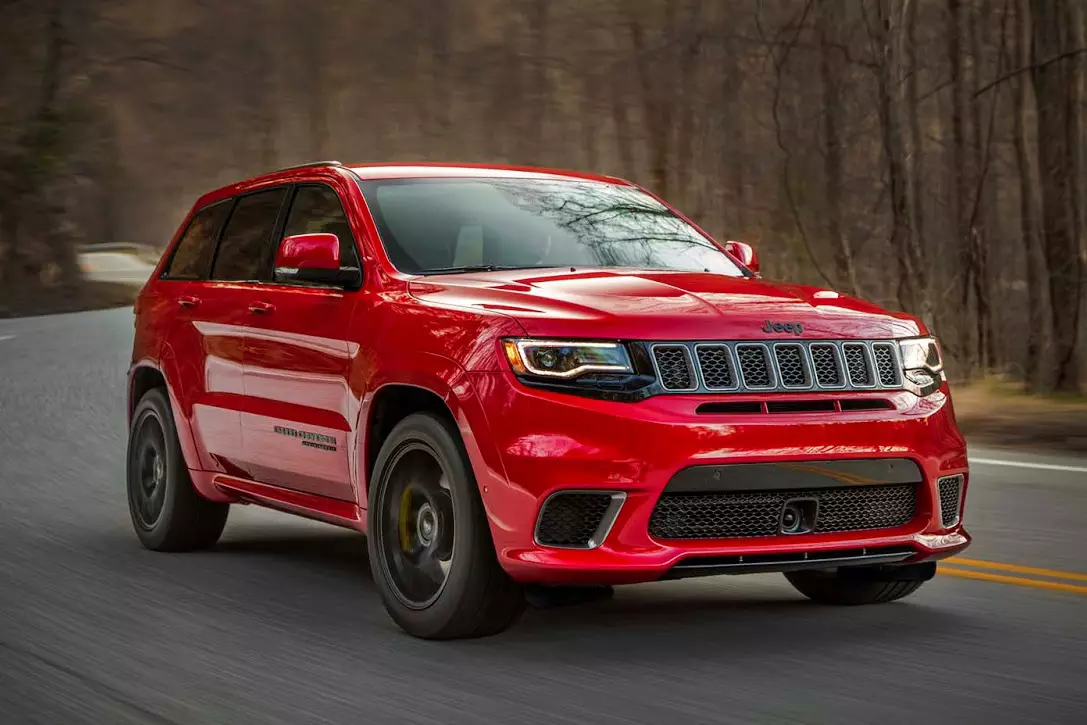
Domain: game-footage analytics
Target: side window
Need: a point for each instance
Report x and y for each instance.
(317, 208)
(243, 249)
(192, 258)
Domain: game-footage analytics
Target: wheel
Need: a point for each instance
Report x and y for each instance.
(167, 512)
(861, 585)
(430, 547)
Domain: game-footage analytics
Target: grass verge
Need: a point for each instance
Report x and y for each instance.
(1001, 413)
(77, 297)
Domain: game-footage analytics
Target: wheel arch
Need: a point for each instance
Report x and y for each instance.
(147, 375)
(448, 392)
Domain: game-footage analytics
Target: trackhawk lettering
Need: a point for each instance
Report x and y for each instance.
(310, 440)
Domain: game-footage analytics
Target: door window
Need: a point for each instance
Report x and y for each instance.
(192, 258)
(242, 254)
(316, 208)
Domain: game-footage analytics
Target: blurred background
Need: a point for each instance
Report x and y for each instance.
(925, 154)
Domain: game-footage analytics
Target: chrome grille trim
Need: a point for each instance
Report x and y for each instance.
(750, 363)
(753, 369)
(865, 360)
(803, 358)
(664, 348)
(835, 360)
(729, 360)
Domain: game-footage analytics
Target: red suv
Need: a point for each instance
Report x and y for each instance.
(527, 380)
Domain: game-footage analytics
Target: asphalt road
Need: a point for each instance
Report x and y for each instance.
(281, 623)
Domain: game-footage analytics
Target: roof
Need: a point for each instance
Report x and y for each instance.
(411, 170)
(437, 170)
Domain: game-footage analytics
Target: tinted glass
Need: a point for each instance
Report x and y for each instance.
(243, 251)
(192, 259)
(317, 209)
(427, 225)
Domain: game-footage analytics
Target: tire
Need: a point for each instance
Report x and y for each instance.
(167, 512)
(422, 465)
(851, 587)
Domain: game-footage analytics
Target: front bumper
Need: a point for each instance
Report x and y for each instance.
(546, 442)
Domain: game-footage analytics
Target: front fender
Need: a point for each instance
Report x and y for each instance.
(449, 381)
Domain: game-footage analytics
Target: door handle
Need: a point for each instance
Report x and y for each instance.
(188, 301)
(261, 308)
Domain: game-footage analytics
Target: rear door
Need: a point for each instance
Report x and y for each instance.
(203, 364)
(300, 415)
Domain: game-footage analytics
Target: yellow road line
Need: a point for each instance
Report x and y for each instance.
(1020, 581)
(996, 566)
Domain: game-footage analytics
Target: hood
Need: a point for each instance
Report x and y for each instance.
(655, 305)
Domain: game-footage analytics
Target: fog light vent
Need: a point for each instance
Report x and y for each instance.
(577, 519)
(950, 489)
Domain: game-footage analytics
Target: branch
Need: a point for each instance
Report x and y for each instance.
(1027, 69)
(779, 69)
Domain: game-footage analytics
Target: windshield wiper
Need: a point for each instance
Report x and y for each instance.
(474, 268)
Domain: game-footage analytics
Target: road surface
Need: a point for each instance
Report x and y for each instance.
(115, 266)
(281, 623)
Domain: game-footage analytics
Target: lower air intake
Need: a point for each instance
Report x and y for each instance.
(576, 519)
(734, 514)
(950, 489)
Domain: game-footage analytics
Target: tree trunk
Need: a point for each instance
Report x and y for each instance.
(1037, 320)
(830, 67)
(912, 292)
(1058, 150)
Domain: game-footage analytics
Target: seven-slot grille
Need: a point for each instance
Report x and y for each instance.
(736, 514)
(950, 490)
(777, 366)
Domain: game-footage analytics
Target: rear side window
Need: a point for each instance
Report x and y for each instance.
(194, 253)
(243, 249)
(317, 208)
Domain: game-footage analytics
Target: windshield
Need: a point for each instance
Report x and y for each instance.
(450, 225)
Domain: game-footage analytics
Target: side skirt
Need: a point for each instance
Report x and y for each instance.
(320, 508)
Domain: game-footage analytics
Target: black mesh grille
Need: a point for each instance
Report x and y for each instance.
(733, 514)
(828, 373)
(950, 498)
(716, 365)
(856, 362)
(754, 365)
(886, 364)
(792, 371)
(674, 366)
(571, 519)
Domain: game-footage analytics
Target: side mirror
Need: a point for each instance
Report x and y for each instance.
(314, 258)
(745, 253)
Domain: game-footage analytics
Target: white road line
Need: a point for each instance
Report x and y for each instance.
(1021, 464)
(6, 337)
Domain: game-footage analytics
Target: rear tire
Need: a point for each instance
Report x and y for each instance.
(167, 512)
(430, 545)
(855, 586)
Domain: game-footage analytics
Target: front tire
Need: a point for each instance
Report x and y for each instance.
(430, 545)
(167, 512)
(851, 586)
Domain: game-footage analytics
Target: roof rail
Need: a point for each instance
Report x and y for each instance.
(309, 164)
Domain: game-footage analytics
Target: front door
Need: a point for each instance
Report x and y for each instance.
(299, 413)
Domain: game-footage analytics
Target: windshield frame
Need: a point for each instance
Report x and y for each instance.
(368, 188)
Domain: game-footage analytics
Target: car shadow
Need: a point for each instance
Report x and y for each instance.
(658, 622)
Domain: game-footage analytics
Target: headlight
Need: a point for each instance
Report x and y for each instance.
(566, 360)
(922, 364)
